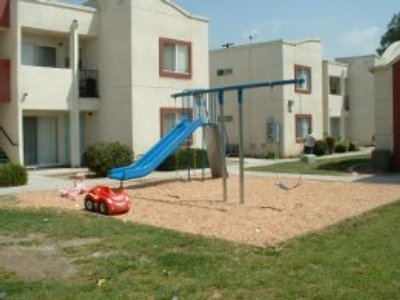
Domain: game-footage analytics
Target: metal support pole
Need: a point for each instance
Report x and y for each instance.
(222, 141)
(241, 150)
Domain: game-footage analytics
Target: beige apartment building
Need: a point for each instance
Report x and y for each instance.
(336, 106)
(72, 75)
(275, 119)
(337, 101)
(387, 107)
(360, 98)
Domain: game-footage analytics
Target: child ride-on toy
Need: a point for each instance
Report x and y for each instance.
(107, 201)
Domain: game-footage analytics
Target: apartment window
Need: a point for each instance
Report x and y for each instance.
(170, 117)
(35, 55)
(224, 72)
(175, 58)
(334, 86)
(303, 123)
(335, 127)
(305, 73)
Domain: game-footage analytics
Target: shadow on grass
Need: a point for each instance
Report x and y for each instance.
(345, 165)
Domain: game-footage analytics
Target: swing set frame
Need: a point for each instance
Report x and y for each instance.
(239, 89)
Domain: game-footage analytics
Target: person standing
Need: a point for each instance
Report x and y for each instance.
(309, 142)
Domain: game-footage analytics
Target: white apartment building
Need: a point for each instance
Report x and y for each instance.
(387, 107)
(339, 99)
(275, 119)
(336, 105)
(360, 98)
(72, 75)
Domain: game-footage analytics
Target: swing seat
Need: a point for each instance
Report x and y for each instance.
(286, 187)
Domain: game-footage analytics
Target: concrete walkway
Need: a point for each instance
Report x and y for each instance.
(56, 179)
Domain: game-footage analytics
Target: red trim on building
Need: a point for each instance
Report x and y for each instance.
(172, 74)
(396, 117)
(5, 82)
(5, 13)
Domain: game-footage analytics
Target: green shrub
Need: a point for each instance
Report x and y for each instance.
(341, 147)
(353, 147)
(180, 159)
(271, 155)
(13, 175)
(101, 157)
(320, 147)
(330, 142)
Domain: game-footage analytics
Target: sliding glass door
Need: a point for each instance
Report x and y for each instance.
(40, 141)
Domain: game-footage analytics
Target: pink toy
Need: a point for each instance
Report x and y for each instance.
(78, 189)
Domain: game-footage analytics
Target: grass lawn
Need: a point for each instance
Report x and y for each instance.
(326, 166)
(357, 259)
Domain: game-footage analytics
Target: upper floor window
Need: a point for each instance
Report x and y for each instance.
(304, 73)
(36, 55)
(224, 72)
(335, 86)
(175, 58)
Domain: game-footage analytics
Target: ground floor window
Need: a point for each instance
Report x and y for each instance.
(303, 123)
(335, 127)
(170, 117)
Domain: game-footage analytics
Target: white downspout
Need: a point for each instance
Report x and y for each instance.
(74, 115)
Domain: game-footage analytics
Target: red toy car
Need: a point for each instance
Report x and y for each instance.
(107, 201)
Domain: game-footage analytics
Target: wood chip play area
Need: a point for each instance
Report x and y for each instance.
(269, 215)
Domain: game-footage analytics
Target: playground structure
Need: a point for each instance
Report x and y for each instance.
(204, 103)
(220, 92)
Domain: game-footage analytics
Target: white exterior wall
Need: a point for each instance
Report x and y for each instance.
(46, 88)
(334, 105)
(361, 90)
(56, 17)
(125, 52)
(132, 90)
(383, 109)
(114, 49)
(37, 90)
(151, 92)
(251, 63)
(270, 61)
(307, 53)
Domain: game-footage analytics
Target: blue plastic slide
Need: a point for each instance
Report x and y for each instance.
(160, 151)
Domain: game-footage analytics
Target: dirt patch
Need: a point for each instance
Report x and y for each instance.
(8, 200)
(270, 215)
(35, 258)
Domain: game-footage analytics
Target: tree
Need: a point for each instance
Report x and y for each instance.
(391, 35)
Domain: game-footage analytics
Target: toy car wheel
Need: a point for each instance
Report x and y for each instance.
(89, 205)
(103, 208)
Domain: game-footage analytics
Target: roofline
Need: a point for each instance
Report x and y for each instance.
(260, 44)
(64, 5)
(338, 63)
(358, 56)
(185, 12)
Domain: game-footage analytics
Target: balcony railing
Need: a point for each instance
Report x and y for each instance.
(88, 84)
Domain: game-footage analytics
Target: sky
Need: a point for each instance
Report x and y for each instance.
(345, 27)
